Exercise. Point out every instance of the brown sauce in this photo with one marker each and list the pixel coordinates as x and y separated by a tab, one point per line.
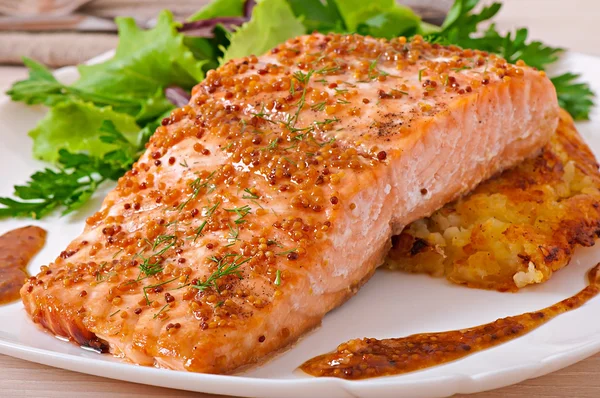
365	358
17	248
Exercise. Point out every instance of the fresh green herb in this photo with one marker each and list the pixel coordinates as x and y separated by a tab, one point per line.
148	287
68	188
241	212
160	312
233	235
211	210
330	141
249	194
99	272
375	72
277	278
461	68
227	147
151	265
285	253
197	185
272	145
199	230
114	313
100	277
319	106
169	240
327	121
263	115
302	78
229	264
327	71
421	73
185	284
272	242
576	98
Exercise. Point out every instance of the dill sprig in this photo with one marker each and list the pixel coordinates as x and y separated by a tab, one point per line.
319	106
302	78
227	265
209	211
148	287
233	235
241	212
250	194
285	253
149	265
277	281
199	230
197	185
161	311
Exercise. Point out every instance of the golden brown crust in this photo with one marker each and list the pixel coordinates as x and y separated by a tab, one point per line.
516	228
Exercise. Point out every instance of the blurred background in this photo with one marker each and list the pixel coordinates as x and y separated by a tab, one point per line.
67	32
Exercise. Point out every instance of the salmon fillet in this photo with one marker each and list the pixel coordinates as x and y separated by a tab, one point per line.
270	198
515	229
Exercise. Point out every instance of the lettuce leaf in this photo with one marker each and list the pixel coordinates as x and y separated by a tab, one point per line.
379	18
356	11
220	8
43	88
272	23
390	23
77	126
145	62
322	16
132	82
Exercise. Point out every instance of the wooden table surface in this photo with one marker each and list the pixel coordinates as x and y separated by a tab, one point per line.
572	24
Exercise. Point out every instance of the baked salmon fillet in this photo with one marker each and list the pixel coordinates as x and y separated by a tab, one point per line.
270	198
515	229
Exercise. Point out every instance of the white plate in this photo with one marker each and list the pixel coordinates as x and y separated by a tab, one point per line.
390	305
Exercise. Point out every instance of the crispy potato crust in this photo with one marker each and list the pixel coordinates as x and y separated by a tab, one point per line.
515	229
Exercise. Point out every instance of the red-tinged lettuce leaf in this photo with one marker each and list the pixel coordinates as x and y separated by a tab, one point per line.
178	96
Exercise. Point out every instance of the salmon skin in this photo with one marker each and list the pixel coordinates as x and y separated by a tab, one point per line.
269	199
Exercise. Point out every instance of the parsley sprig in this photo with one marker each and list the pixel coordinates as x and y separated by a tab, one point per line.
70	185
